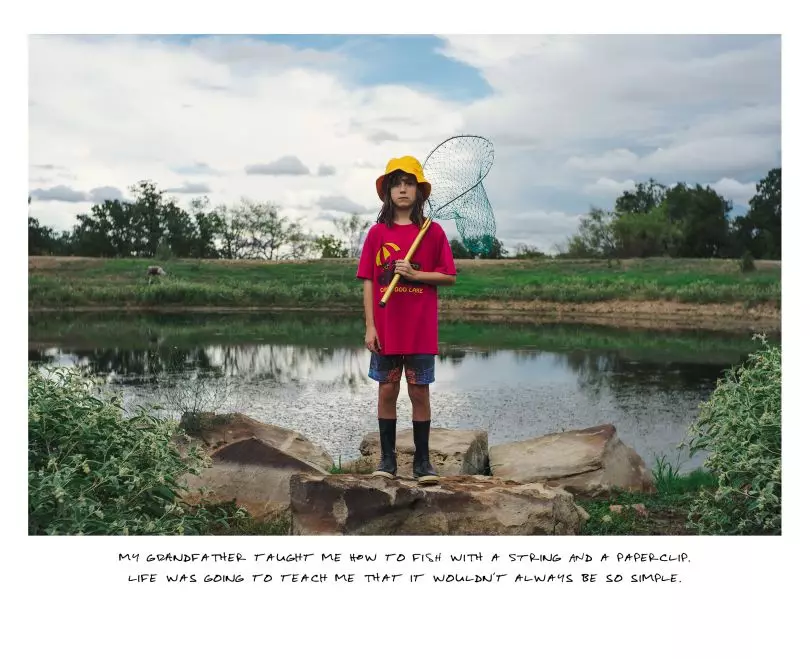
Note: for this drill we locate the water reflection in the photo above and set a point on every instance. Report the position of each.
(309, 373)
(595, 372)
(325, 393)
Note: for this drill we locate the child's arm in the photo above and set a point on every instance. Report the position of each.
(432, 278)
(372, 340)
(445, 268)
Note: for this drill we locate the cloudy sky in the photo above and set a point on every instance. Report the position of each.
(308, 123)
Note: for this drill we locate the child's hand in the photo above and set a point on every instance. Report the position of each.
(404, 269)
(372, 341)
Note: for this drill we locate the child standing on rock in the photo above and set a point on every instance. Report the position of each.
(405, 333)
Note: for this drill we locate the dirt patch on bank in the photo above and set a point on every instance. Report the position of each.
(647, 314)
(641, 314)
(55, 262)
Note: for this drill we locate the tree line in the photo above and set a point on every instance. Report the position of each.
(152, 225)
(683, 221)
(651, 220)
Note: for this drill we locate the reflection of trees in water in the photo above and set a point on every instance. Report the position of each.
(283, 363)
(610, 372)
(452, 355)
(456, 355)
(260, 362)
(146, 364)
(354, 372)
(40, 358)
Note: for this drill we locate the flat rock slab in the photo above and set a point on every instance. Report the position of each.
(349, 504)
(587, 462)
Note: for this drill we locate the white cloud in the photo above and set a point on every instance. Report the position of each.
(105, 192)
(704, 156)
(341, 204)
(731, 190)
(608, 188)
(617, 160)
(573, 119)
(196, 169)
(59, 193)
(380, 136)
(191, 188)
(284, 166)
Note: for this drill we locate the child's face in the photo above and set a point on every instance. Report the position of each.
(403, 190)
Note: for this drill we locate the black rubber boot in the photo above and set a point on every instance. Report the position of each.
(423, 471)
(388, 444)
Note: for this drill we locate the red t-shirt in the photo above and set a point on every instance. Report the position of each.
(409, 322)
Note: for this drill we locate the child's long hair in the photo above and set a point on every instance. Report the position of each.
(386, 215)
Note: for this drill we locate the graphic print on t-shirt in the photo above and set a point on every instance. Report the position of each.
(386, 256)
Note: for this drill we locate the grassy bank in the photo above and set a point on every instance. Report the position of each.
(664, 513)
(68, 282)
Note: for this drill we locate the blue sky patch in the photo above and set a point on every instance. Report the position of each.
(412, 60)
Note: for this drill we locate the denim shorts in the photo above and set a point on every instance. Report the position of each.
(419, 369)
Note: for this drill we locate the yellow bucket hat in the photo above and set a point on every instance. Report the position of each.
(409, 165)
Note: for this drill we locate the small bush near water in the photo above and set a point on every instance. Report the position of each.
(91, 470)
(740, 427)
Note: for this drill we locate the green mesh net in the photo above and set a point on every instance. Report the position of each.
(456, 170)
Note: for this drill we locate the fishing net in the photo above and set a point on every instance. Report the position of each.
(456, 170)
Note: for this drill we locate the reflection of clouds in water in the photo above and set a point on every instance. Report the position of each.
(479, 368)
(286, 364)
(326, 395)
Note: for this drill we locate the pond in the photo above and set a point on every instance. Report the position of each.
(308, 372)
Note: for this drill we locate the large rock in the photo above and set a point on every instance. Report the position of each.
(221, 430)
(452, 452)
(588, 462)
(349, 504)
(251, 462)
(254, 474)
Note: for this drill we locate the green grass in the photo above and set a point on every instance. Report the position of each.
(332, 283)
(244, 524)
(665, 512)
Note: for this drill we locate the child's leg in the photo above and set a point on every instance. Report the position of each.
(419, 372)
(387, 371)
(420, 401)
(387, 400)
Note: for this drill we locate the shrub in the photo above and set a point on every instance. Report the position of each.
(747, 262)
(91, 470)
(740, 427)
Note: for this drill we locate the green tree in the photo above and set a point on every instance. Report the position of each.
(94, 234)
(526, 251)
(642, 235)
(330, 247)
(646, 197)
(496, 251)
(146, 217)
(595, 236)
(351, 231)
(40, 238)
(44, 240)
(760, 230)
(301, 243)
(459, 250)
(209, 226)
(254, 230)
(700, 221)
